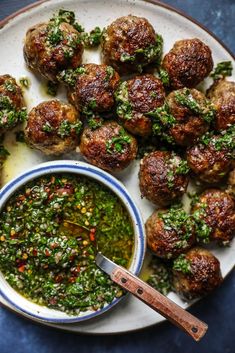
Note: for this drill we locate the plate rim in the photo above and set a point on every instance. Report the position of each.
(173, 9)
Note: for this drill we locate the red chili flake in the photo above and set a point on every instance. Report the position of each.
(53, 301)
(58, 278)
(72, 279)
(54, 246)
(92, 234)
(47, 252)
(35, 252)
(21, 268)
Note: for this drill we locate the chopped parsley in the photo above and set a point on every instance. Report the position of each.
(69, 76)
(47, 127)
(162, 120)
(203, 230)
(160, 277)
(185, 98)
(89, 107)
(93, 39)
(94, 122)
(164, 77)
(25, 82)
(176, 166)
(118, 143)
(66, 127)
(145, 56)
(109, 73)
(178, 220)
(9, 116)
(182, 264)
(124, 107)
(222, 69)
(10, 86)
(224, 141)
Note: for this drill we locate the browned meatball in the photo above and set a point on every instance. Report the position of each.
(108, 147)
(231, 183)
(12, 105)
(222, 95)
(137, 97)
(170, 232)
(94, 88)
(162, 177)
(130, 43)
(214, 214)
(192, 113)
(53, 127)
(211, 159)
(196, 273)
(188, 63)
(51, 47)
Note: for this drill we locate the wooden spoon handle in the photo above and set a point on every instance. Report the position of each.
(158, 302)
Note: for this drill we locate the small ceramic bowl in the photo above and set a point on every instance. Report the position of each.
(43, 313)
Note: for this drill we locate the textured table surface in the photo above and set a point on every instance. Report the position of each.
(218, 310)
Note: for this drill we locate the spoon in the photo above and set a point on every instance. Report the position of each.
(150, 296)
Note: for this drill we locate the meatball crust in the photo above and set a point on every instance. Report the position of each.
(10, 89)
(137, 97)
(48, 56)
(209, 163)
(12, 105)
(189, 125)
(130, 43)
(188, 63)
(94, 88)
(108, 147)
(214, 214)
(222, 95)
(53, 127)
(231, 183)
(169, 232)
(162, 177)
(196, 273)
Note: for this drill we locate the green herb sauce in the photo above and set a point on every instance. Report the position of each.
(186, 99)
(160, 276)
(222, 69)
(49, 232)
(182, 264)
(119, 142)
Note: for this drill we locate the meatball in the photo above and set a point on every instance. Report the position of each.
(12, 105)
(214, 214)
(137, 97)
(130, 43)
(51, 47)
(53, 127)
(170, 232)
(94, 88)
(196, 273)
(163, 177)
(191, 112)
(188, 63)
(231, 183)
(108, 147)
(211, 159)
(222, 95)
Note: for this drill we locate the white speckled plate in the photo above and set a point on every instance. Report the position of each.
(131, 314)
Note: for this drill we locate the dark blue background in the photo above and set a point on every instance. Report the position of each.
(218, 310)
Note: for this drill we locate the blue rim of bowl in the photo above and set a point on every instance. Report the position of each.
(138, 222)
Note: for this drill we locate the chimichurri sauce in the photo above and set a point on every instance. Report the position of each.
(49, 233)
